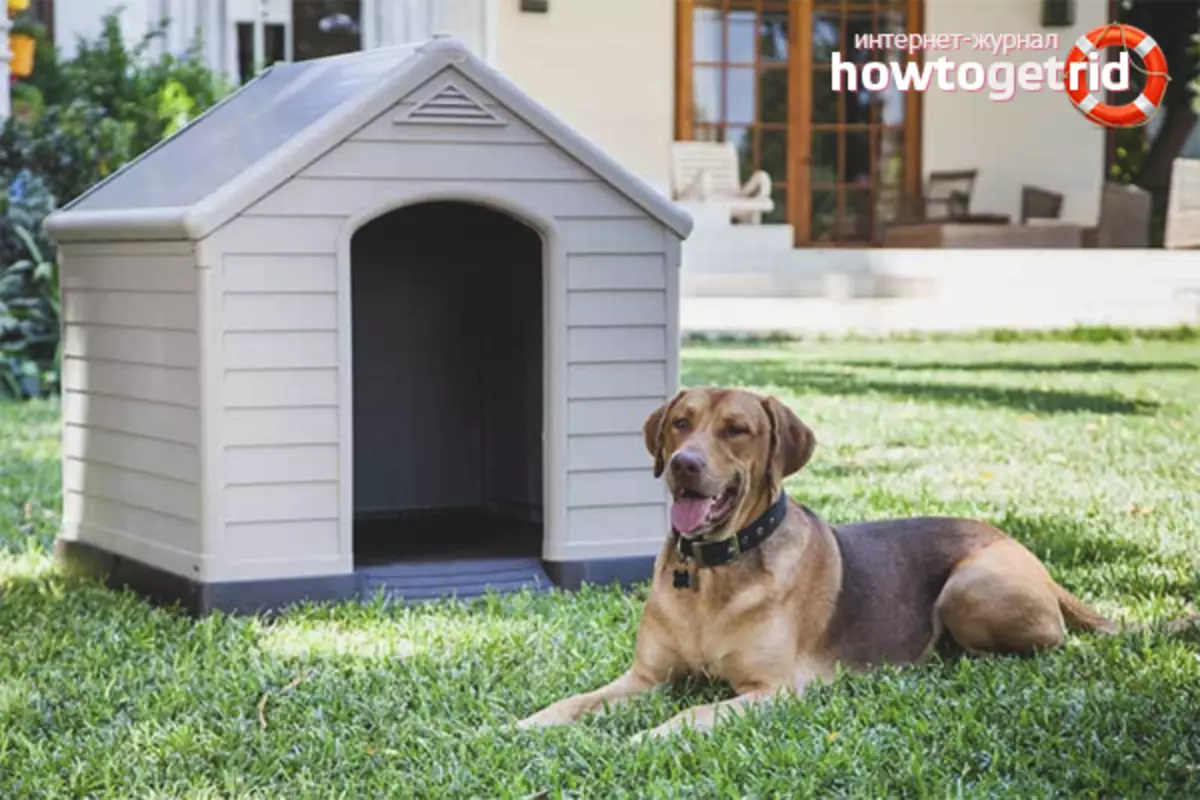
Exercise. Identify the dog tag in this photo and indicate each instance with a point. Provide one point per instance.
(683, 579)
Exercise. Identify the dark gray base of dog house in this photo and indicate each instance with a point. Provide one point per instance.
(408, 583)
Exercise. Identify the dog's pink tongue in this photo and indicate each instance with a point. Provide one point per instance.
(688, 513)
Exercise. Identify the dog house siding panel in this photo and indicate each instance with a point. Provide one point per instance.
(609, 416)
(619, 523)
(285, 568)
(134, 417)
(613, 236)
(130, 487)
(158, 310)
(148, 273)
(630, 379)
(281, 503)
(268, 541)
(280, 312)
(611, 309)
(479, 163)
(154, 456)
(170, 385)
(610, 547)
(280, 350)
(607, 451)
(615, 271)
(176, 560)
(280, 273)
(76, 251)
(130, 522)
(276, 236)
(280, 426)
(258, 464)
(308, 197)
(600, 345)
(613, 488)
(265, 389)
(130, 345)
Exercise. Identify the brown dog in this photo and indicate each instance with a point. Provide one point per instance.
(755, 589)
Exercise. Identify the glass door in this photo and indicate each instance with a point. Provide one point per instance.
(861, 145)
(737, 78)
(758, 73)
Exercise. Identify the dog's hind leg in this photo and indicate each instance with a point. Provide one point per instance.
(938, 630)
(1001, 600)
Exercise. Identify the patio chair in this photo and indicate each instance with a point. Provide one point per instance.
(707, 172)
(946, 198)
(948, 195)
(1125, 213)
(1040, 204)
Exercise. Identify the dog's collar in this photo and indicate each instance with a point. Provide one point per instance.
(723, 551)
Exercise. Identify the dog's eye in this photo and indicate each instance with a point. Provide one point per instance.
(681, 424)
(736, 430)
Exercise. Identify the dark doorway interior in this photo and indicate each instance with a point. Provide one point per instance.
(447, 332)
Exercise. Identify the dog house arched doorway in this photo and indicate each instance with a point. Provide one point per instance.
(447, 349)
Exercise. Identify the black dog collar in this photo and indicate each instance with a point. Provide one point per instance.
(723, 551)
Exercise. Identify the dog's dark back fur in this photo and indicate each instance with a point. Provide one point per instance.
(897, 569)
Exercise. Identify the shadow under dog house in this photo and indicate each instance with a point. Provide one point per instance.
(376, 321)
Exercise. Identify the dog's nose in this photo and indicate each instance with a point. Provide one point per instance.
(685, 464)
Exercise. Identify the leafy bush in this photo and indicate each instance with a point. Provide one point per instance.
(70, 147)
(29, 301)
(75, 122)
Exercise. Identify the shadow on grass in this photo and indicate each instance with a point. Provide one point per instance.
(803, 379)
(1021, 366)
(1072, 544)
(862, 471)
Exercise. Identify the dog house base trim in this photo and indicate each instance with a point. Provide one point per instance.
(259, 596)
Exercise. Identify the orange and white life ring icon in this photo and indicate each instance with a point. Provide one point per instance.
(1143, 107)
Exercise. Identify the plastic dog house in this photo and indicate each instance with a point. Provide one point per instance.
(377, 320)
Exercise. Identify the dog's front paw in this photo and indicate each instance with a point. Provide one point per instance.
(547, 717)
(659, 733)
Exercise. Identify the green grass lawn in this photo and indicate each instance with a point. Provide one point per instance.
(1088, 453)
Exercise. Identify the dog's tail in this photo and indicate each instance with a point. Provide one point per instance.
(1081, 616)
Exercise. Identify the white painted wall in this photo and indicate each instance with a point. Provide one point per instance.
(605, 67)
(76, 19)
(1036, 138)
(384, 23)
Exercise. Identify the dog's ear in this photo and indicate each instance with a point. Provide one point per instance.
(792, 442)
(654, 430)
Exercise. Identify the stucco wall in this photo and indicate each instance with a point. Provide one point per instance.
(604, 66)
(75, 19)
(1035, 138)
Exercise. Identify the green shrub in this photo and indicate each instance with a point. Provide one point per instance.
(29, 298)
(75, 122)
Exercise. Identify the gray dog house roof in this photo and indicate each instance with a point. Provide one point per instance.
(205, 175)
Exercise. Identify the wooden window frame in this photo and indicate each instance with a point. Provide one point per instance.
(799, 123)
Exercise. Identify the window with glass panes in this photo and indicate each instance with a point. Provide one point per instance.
(758, 73)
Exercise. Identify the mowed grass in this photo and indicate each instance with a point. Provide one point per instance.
(1090, 454)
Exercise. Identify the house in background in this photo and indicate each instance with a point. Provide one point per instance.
(860, 182)
(636, 75)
